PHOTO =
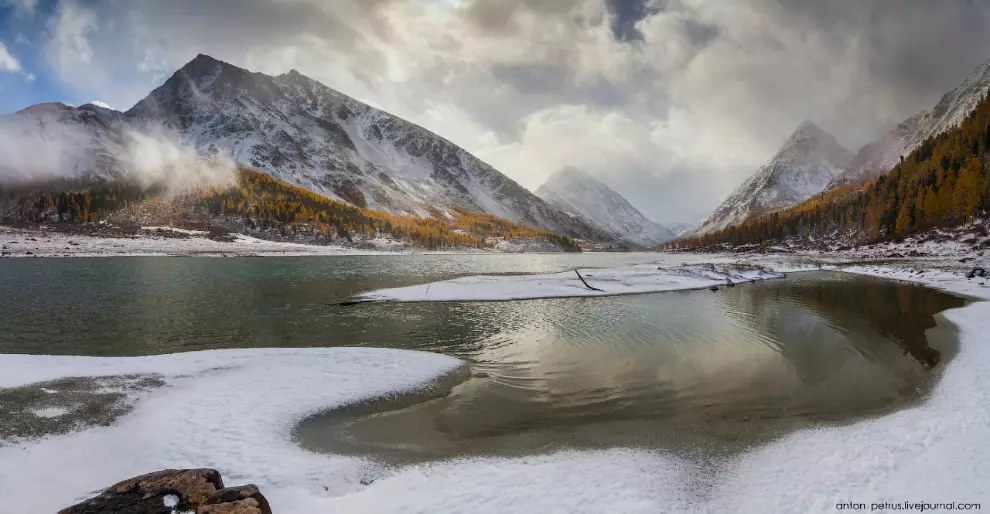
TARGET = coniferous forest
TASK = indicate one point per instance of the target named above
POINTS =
(259, 204)
(942, 183)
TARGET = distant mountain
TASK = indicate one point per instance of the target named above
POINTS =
(808, 161)
(575, 192)
(304, 133)
(880, 156)
(682, 228)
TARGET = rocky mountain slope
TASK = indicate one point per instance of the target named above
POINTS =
(575, 192)
(808, 161)
(304, 133)
(879, 156)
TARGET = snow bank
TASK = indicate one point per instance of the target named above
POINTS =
(642, 278)
(232, 410)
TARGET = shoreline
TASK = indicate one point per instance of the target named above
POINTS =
(21, 243)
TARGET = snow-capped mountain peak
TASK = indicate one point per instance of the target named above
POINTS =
(584, 196)
(803, 167)
(882, 155)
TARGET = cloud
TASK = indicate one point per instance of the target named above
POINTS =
(21, 39)
(159, 159)
(22, 8)
(49, 142)
(8, 62)
(662, 99)
(98, 103)
(69, 49)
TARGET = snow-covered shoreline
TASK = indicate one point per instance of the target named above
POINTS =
(157, 242)
(233, 410)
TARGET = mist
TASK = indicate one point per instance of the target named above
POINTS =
(156, 160)
(37, 149)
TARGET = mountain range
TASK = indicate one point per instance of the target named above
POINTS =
(302, 132)
(583, 196)
(811, 162)
(881, 155)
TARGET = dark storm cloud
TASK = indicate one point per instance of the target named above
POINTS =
(626, 14)
(500, 15)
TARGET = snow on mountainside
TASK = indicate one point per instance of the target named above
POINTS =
(803, 167)
(879, 156)
(307, 134)
(575, 192)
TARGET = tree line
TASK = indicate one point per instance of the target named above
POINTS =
(262, 203)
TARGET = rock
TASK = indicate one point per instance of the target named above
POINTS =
(146, 494)
(248, 495)
(247, 506)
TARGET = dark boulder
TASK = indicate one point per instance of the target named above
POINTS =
(154, 493)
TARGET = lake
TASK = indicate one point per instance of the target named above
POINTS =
(683, 371)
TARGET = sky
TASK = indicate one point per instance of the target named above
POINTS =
(672, 103)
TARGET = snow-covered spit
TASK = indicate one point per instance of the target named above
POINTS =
(642, 278)
(234, 409)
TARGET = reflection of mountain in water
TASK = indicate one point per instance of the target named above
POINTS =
(899, 312)
(814, 347)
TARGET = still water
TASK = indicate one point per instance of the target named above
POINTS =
(678, 370)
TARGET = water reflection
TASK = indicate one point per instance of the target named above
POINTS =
(815, 347)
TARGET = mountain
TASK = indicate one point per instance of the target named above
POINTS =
(933, 203)
(575, 192)
(307, 134)
(879, 156)
(808, 161)
(296, 130)
(682, 228)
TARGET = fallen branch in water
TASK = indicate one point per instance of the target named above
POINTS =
(586, 284)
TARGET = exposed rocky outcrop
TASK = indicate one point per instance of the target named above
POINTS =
(175, 490)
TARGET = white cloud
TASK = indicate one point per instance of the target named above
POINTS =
(8, 62)
(98, 103)
(68, 48)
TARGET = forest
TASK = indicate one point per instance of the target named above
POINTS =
(942, 183)
(259, 203)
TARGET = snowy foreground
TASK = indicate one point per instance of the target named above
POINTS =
(643, 278)
(234, 409)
